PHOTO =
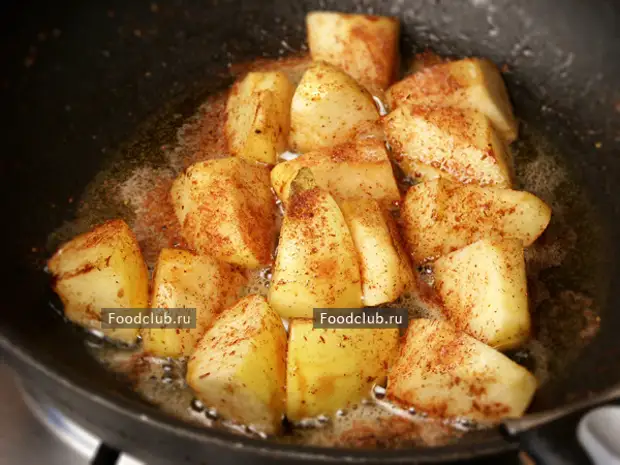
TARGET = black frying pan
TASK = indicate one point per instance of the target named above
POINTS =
(78, 79)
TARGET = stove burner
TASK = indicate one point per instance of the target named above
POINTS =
(73, 435)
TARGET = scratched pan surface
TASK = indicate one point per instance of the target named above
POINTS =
(87, 87)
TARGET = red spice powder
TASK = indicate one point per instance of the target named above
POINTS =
(156, 224)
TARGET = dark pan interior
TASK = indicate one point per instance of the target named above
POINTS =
(79, 79)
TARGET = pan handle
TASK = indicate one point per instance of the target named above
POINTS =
(569, 435)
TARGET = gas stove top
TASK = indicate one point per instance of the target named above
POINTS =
(32, 430)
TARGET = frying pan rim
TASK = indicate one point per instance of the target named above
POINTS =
(222, 438)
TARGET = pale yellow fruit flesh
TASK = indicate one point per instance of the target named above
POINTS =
(183, 279)
(316, 265)
(459, 144)
(471, 83)
(447, 373)
(332, 369)
(440, 217)
(102, 268)
(483, 288)
(327, 108)
(363, 46)
(239, 365)
(258, 116)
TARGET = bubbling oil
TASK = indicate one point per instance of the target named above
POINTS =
(136, 188)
